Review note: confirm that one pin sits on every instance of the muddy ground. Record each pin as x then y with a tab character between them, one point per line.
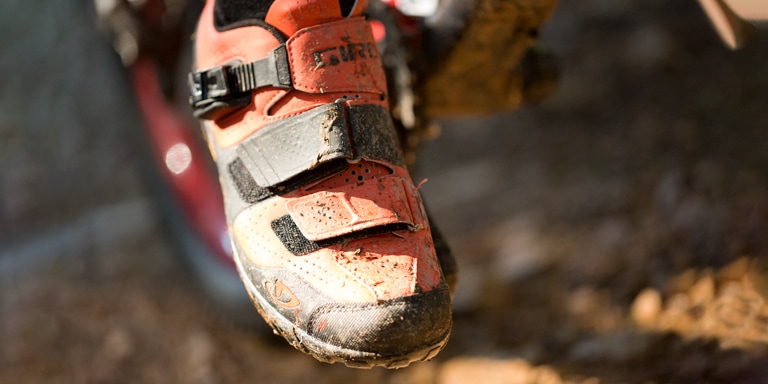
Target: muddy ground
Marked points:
612	234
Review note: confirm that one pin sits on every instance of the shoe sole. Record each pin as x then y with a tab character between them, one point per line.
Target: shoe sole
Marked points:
329	353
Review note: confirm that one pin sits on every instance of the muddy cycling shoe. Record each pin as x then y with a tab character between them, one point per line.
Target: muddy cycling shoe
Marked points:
329	232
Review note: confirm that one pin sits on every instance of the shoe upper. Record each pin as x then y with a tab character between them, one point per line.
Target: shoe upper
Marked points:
334	60
329	229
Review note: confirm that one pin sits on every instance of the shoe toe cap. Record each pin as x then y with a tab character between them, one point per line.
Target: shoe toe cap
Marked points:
396	327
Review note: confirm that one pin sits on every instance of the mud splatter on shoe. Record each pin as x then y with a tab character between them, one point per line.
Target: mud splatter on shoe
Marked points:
329	232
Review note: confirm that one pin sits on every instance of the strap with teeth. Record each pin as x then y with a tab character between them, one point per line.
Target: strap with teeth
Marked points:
230	82
335	57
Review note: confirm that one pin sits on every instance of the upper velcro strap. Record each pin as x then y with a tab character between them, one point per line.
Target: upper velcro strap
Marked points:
325	215
230	81
283	150
279	152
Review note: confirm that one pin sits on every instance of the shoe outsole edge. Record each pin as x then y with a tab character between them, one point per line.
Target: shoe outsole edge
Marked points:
329	353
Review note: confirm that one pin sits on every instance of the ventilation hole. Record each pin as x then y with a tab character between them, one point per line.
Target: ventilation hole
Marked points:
360	177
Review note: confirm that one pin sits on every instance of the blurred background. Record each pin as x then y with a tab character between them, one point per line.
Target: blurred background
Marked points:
614	233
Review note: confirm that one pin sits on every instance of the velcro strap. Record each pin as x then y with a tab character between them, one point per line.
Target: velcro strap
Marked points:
281	151
375	203
341	56
229	81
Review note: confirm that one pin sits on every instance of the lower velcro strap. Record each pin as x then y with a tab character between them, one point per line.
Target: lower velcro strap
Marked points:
375	203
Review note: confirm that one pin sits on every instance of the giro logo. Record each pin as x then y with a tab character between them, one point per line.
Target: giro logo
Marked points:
344	53
281	294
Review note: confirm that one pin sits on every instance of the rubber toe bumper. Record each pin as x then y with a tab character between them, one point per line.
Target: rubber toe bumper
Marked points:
394	327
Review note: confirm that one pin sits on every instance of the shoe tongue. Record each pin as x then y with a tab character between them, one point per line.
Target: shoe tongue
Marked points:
289	16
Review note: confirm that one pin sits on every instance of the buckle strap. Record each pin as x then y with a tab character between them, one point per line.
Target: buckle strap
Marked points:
227	82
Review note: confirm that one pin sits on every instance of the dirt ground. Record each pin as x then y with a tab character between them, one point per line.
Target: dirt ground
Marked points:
615	233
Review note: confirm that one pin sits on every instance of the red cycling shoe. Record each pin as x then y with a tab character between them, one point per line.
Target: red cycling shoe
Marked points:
329	232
